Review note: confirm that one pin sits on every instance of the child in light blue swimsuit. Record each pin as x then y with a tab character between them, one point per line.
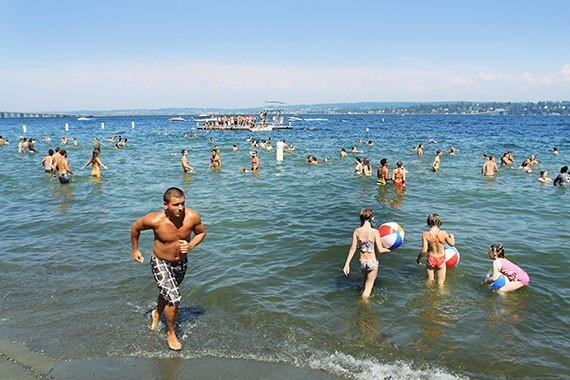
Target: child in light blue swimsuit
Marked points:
367	239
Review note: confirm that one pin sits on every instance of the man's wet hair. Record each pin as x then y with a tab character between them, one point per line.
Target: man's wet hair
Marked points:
172	192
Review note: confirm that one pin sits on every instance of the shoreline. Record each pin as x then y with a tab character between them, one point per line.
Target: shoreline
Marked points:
17	362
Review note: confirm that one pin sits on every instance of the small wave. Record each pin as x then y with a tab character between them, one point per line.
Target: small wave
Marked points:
337	364
316	119
370	369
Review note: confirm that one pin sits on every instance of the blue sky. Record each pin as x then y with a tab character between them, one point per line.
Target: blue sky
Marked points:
102	55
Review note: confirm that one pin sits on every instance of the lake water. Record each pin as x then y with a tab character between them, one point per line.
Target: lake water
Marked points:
267	283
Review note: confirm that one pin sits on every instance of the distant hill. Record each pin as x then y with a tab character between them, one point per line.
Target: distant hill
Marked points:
384	108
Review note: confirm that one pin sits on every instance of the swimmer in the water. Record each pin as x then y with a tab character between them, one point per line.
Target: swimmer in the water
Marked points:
517	276
489	167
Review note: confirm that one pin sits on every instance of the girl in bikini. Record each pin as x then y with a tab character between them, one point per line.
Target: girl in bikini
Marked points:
367	239
517	276
399	175
433	242
95	163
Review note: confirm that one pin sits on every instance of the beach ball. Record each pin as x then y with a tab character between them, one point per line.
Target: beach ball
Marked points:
451	256
391	235
501	281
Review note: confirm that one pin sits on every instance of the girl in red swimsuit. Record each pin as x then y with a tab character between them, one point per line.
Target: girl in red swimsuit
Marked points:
433	243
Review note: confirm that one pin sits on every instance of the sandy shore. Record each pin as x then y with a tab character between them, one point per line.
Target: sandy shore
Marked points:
18	363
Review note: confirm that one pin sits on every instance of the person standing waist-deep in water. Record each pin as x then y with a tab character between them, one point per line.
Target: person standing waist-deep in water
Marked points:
173	239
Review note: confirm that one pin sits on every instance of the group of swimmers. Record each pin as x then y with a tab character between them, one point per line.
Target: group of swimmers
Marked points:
56	164
366	239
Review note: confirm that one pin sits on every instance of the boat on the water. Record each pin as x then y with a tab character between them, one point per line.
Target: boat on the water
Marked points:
83	118
177	118
261	128
272	117
205	117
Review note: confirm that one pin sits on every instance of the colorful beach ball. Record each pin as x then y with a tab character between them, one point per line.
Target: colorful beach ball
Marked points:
451	256
391	235
501	281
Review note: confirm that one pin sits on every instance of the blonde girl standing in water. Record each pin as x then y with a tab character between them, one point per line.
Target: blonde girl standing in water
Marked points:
367	239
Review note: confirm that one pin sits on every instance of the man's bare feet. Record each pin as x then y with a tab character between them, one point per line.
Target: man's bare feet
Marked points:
155	320
173	342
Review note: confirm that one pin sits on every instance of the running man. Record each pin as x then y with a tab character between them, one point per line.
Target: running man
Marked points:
173	239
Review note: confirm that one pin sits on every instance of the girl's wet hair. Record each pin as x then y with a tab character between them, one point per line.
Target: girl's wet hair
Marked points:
434	220
498	250
366	214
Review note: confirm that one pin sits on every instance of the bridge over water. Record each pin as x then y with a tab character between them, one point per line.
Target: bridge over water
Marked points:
28	115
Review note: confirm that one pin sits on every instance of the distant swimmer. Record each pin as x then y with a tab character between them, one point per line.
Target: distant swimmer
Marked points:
435	163
525	165
562	179
31	147
177	231
383	173
533	160
489	167
185	165
399	175
342	153
358	166
452	151
432	141
22	145
95	163
366	167
312	160
215	160
554	149
63	169
420	150
544	177
355	150
254	161
47	162
507	159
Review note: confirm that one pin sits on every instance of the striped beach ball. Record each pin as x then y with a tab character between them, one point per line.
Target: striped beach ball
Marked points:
451	256
391	235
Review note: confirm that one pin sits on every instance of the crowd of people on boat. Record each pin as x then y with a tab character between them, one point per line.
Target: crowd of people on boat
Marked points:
231	122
